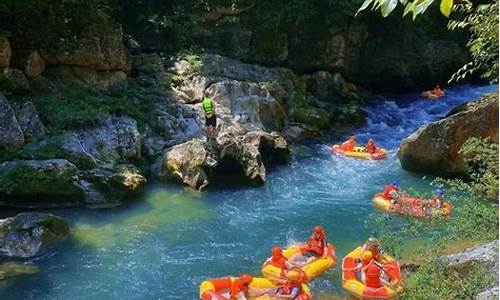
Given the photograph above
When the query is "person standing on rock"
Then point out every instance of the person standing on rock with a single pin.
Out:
(210, 118)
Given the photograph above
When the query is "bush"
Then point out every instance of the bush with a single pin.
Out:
(435, 280)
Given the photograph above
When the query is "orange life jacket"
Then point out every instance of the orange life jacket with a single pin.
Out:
(371, 148)
(236, 288)
(348, 145)
(387, 191)
(372, 276)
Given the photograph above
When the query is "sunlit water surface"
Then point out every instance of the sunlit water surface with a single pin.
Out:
(163, 246)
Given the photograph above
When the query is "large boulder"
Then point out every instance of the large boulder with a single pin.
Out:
(434, 147)
(188, 163)
(31, 125)
(26, 234)
(30, 62)
(40, 183)
(197, 163)
(100, 48)
(116, 139)
(116, 184)
(10, 130)
(14, 81)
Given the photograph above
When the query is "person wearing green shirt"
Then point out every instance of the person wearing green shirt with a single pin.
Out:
(210, 117)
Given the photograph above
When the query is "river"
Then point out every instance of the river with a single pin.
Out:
(163, 245)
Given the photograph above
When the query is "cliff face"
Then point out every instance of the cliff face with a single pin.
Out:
(378, 53)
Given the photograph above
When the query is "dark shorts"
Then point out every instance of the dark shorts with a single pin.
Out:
(211, 121)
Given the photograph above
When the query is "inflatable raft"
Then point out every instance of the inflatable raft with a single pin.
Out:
(431, 95)
(360, 152)
(355, 287)
(412, 206)
(305, 272)
(259, 288)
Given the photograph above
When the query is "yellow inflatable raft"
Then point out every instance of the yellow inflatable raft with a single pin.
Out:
(412, 206)
(259, 289)
(354, 286)
(305, 272)
(360, 152)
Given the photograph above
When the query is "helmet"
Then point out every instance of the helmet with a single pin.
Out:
(439, 192)
(396, 182)
(277, 252)
(245, 278)
(367, 256)
(371, 141)
(373, 240)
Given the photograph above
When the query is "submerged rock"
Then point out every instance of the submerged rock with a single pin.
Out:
(26, 234)
(15, 269)
(434, 147)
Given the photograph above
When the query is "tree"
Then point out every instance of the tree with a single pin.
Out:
(481, 20)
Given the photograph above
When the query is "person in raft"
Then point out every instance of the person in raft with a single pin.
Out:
(239, 288)
(279, 260)
(435, 202)
(349, 144)
(210, 117)
(372, 245)
(391, 192)
(438, 91)
(370, 146)
(291, 290)
(316, 246)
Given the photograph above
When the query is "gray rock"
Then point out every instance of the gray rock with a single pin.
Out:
(434, 147)
(30, 62)
(40, 183)
(10, 130)
(26, 234)
(487, 255)
(132, 45)
(99, 48)
(5, 53)
(117, 138)
(31, 125)
(14, 80)
(196, 163)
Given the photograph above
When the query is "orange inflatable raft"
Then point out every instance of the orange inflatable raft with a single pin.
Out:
(353, 284)
(360, 152)
(431, 95)
(259, 289)
(412, 206)
(306, 272)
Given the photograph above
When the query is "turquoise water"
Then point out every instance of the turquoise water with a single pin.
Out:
(163, 246)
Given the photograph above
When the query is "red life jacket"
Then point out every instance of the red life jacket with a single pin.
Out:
(372, 276)
(371, 148)
(236, 288)
(316, 245)
(387, 191)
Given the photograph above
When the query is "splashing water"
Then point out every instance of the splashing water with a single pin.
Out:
(163, 246)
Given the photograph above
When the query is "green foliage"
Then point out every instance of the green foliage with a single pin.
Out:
(46, 149)
(482, 22)
(416, 7)
(435, 280)
(22, 177)
(80, 106)
(481, 156)
(50, 24)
